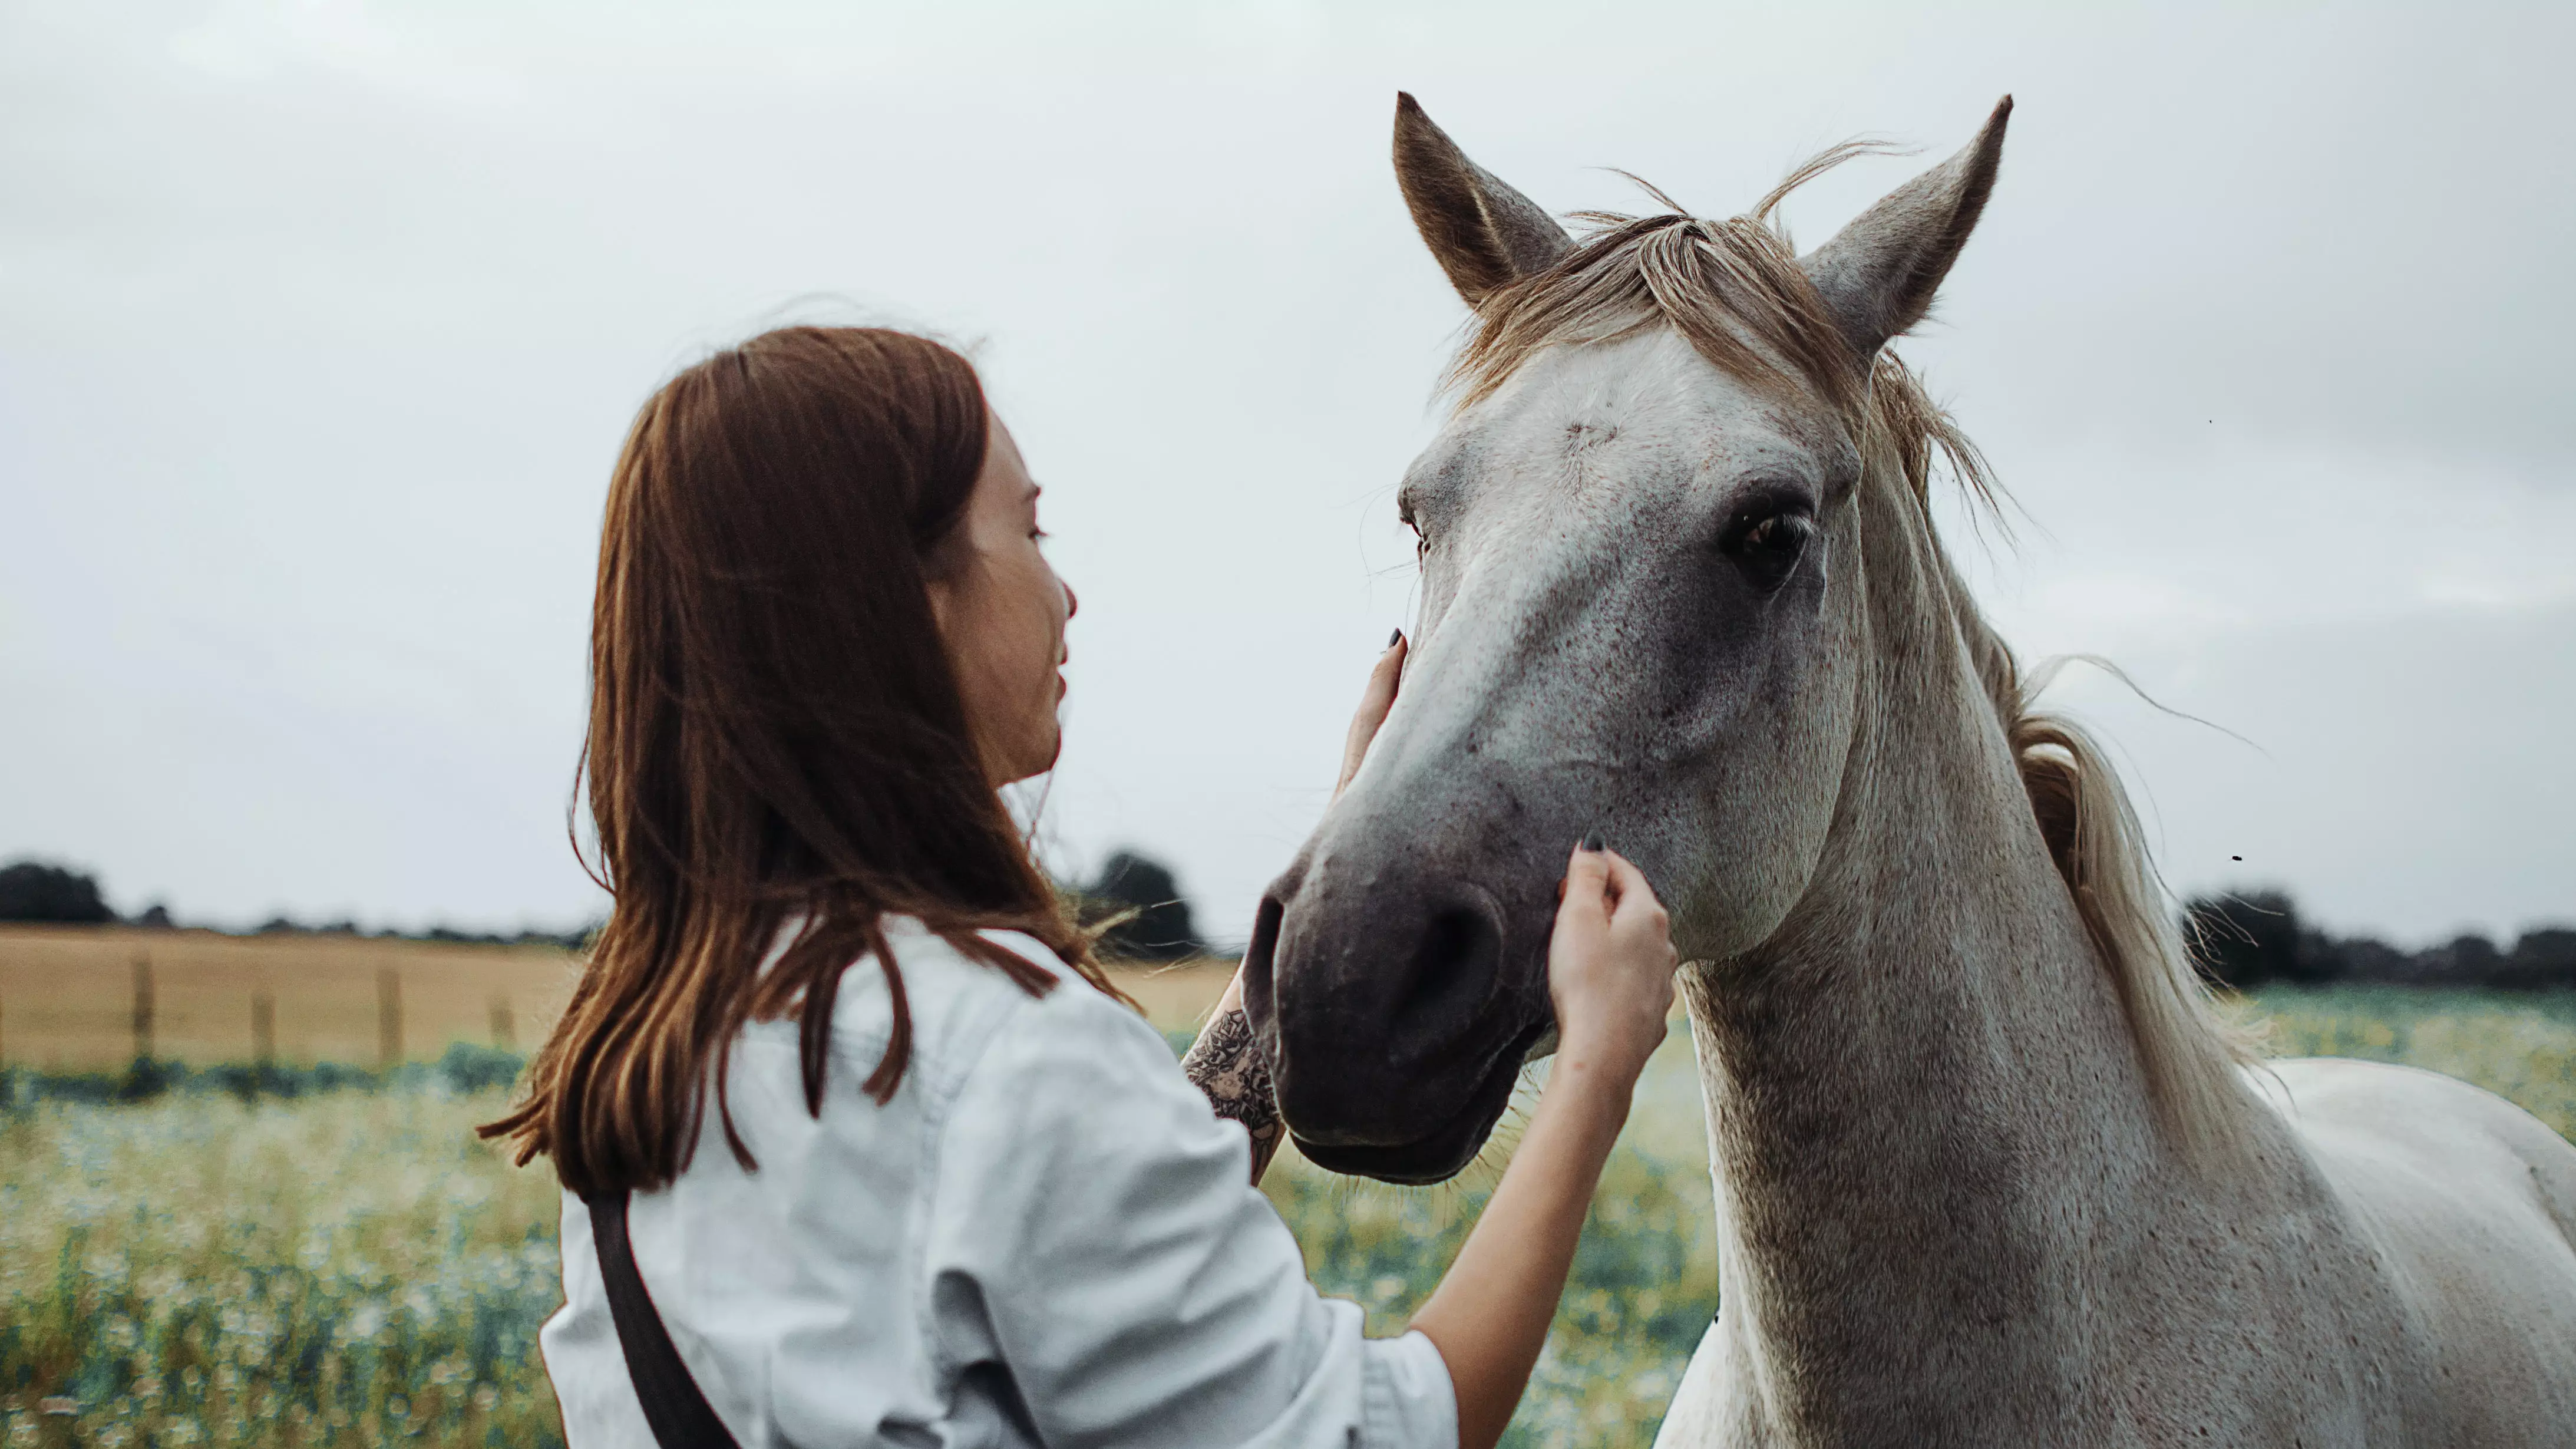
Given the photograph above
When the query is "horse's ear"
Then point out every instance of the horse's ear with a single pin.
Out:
(1878, 274)
(1484, 234)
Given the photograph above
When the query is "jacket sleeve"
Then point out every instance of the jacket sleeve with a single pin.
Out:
(1094, 1239)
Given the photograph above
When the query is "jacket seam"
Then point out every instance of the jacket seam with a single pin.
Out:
(935, 1114)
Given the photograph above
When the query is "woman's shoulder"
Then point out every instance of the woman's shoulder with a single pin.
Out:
(919, 950)
(960, 1005)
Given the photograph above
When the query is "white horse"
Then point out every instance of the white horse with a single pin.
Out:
(1989, 1168)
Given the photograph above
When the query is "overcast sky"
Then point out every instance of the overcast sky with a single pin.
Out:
(320, 325)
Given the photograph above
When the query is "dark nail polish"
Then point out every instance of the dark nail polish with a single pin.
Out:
(1395, 638)
(1592, 840)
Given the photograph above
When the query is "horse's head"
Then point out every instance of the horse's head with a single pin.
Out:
(1640, 614)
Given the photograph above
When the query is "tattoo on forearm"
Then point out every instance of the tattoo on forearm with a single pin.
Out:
(1236, 1078)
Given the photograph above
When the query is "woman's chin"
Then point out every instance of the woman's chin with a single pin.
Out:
(1037, 760)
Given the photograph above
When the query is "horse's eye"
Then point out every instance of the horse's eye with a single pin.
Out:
(1768, 547)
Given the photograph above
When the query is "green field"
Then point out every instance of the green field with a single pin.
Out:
(352, 1268)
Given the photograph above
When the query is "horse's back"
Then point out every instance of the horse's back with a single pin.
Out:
(2469, 1204)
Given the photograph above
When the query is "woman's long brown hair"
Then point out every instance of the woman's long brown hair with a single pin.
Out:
(776, 736)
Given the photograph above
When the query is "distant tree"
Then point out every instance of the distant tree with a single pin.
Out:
(156, 916)
(31, 890)
(2252, 939)
(1161, 928)
(2469, 960)
(280, 926)
(2361, 958)
(454, 936)
(2541, 960)
(576, 939)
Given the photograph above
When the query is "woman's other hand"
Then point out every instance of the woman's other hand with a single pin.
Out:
(1223, 1061)
(1376, 698)
(1610, 964)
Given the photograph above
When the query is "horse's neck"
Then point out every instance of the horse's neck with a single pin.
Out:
(1922, 1093)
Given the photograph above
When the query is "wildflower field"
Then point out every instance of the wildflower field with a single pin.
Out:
(220, 1264)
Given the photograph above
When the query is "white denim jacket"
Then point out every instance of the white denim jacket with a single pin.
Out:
(1046, 1238)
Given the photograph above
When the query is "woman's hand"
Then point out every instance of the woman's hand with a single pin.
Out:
(1375, 700)
(1610, 966)
(1223, 1062)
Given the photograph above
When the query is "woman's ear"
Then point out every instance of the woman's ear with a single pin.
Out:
(948, 574)
(944, 603)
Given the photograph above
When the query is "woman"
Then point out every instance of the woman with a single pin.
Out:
(858, 1144)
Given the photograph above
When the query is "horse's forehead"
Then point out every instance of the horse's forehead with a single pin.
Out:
(1653, 382)
(1646, 407)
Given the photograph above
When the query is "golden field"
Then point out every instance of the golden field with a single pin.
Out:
(68, 996)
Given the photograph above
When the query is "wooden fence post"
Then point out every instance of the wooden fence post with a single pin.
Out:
(505, 1027)
(142, 1007)
(389, 1036)
(263, 1029)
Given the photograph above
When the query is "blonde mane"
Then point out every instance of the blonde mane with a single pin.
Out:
(1735, 290)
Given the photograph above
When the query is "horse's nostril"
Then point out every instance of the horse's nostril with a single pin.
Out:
(1453, 970)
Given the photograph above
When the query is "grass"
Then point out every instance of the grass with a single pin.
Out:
(351, 1267)
(346, 1269)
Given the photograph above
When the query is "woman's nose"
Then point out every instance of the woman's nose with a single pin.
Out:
(1072, 601)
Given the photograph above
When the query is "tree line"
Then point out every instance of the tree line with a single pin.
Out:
(45, 893)
(1134, 902)
(2257, 938)
(2241, 939)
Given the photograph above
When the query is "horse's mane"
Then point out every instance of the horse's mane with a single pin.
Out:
(1735, 290)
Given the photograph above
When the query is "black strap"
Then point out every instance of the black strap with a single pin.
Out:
(673, 1405)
